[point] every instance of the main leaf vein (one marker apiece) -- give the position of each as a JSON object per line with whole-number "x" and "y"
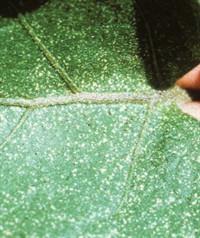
{"x": 83, "y": 98}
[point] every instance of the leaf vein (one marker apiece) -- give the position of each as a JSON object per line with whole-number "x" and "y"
{"x": 14, "y": 130}
{"x": 133, "y": 153}
{"x": 151, "y": 42}
{"x": 83, "y": 98}
{"x": 49, "y": 56}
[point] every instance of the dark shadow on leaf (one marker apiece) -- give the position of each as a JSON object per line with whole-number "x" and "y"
{"x": 11, "y": 8}
{"x": 167, "y": 31}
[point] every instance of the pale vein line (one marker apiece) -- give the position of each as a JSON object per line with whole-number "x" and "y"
{"x": 131, "y": 156}
{"x": 14, "y": 130}
{"x": 82, "y": 98}
{"x": 152, "y": 47}
{"x": 50, "y": 57}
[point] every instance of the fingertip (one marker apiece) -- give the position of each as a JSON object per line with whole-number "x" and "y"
{"x": 191, "y": 80}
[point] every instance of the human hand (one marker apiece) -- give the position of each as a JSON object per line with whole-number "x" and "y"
{"x": 191, "y": 81}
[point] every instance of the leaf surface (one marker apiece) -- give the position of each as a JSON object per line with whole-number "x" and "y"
{"x": 88, "y": 146}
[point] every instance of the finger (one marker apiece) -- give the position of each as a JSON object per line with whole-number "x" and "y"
{"x": 192, "y": 109}
{"x": 191, "y": 80}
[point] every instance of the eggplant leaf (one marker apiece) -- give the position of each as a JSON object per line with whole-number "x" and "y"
{"x": 92, "y": 143}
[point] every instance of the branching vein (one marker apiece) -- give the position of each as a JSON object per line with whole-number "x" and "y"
{"x": 50, "y": 57}
{"x": 14, "y": 130}
{"x": 151, "y": 42}
{"x": 133, "y": 154}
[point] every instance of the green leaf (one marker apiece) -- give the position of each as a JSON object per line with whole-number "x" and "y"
{"x": 90, "y": 143}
